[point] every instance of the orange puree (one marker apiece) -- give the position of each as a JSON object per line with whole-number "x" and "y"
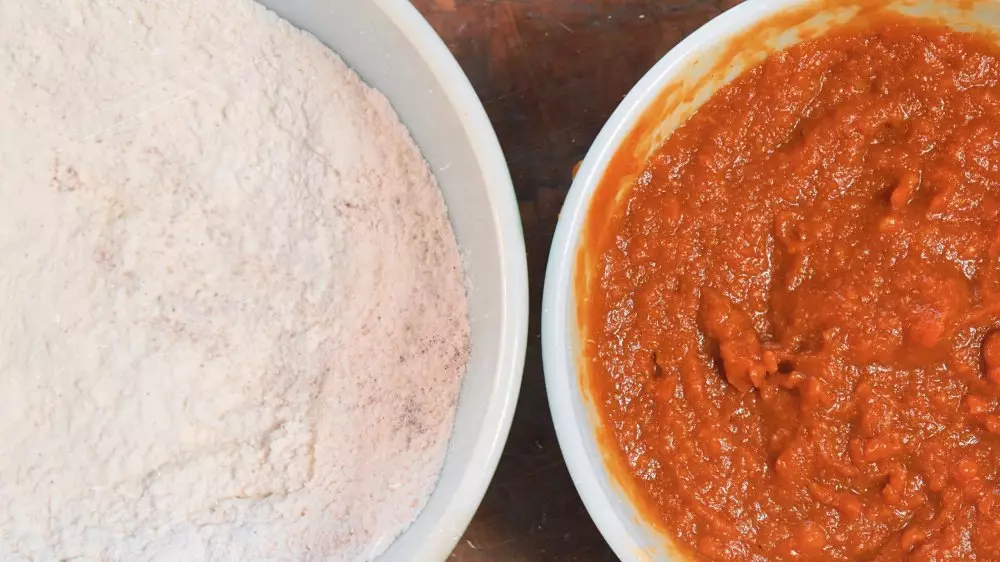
{"x": 793, "y": 322}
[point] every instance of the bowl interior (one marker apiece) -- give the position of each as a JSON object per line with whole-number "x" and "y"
{"x": 667, "y": 96}
{"x": 394, "y": 50}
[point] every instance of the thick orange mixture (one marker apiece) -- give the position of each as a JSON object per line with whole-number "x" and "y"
{"x": 794, "y": 323}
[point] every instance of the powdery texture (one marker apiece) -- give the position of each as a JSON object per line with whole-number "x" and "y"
{"x": 232, "y": 316}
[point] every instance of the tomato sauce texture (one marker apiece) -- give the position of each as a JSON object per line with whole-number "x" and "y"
{"x": 793, "y": 323}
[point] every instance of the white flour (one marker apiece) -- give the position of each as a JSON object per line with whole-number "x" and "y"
{"x": 232, "y": 317}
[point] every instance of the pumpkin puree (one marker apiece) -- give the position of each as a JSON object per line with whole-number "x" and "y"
{"x": 792, "y": 329}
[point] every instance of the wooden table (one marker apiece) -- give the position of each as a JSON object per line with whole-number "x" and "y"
{"x": 549, "y": 72}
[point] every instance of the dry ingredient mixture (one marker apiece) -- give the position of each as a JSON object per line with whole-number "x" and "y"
{"x": 795, "y": 326}
{"x": 233, "y": 321}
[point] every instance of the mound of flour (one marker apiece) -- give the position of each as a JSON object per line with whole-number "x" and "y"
{"x": 233, "y": 323}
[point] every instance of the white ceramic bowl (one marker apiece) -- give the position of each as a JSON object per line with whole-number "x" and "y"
{"x": 679, "y": 83}
{"x": 394, "y": 50}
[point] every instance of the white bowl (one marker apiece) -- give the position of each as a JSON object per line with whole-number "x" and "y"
{"x": 394, "y": 50}
{"x": 675, "y": 87}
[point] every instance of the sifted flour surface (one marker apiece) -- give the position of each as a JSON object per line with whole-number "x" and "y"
{"x": 233, "y": 323}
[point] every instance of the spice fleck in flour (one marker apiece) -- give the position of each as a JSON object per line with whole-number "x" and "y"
{"x": 233, "y": 323}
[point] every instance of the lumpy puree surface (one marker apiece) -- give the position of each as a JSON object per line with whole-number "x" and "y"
{"x": 792, "y": 318}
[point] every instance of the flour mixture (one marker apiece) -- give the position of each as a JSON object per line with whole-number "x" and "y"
{"x": 233, "y": 323}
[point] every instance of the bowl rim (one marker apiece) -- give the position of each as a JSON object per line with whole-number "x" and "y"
{"x": 513, "y": 335}
{"x": 562, "y": 374}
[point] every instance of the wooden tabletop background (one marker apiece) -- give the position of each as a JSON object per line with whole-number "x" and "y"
{"x": 550, "y": 73}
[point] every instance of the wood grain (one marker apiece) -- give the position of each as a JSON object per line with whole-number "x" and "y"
{"x": 550, "y": 73}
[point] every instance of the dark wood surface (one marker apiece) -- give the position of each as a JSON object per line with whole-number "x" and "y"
{"x": 549, "y": 72}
